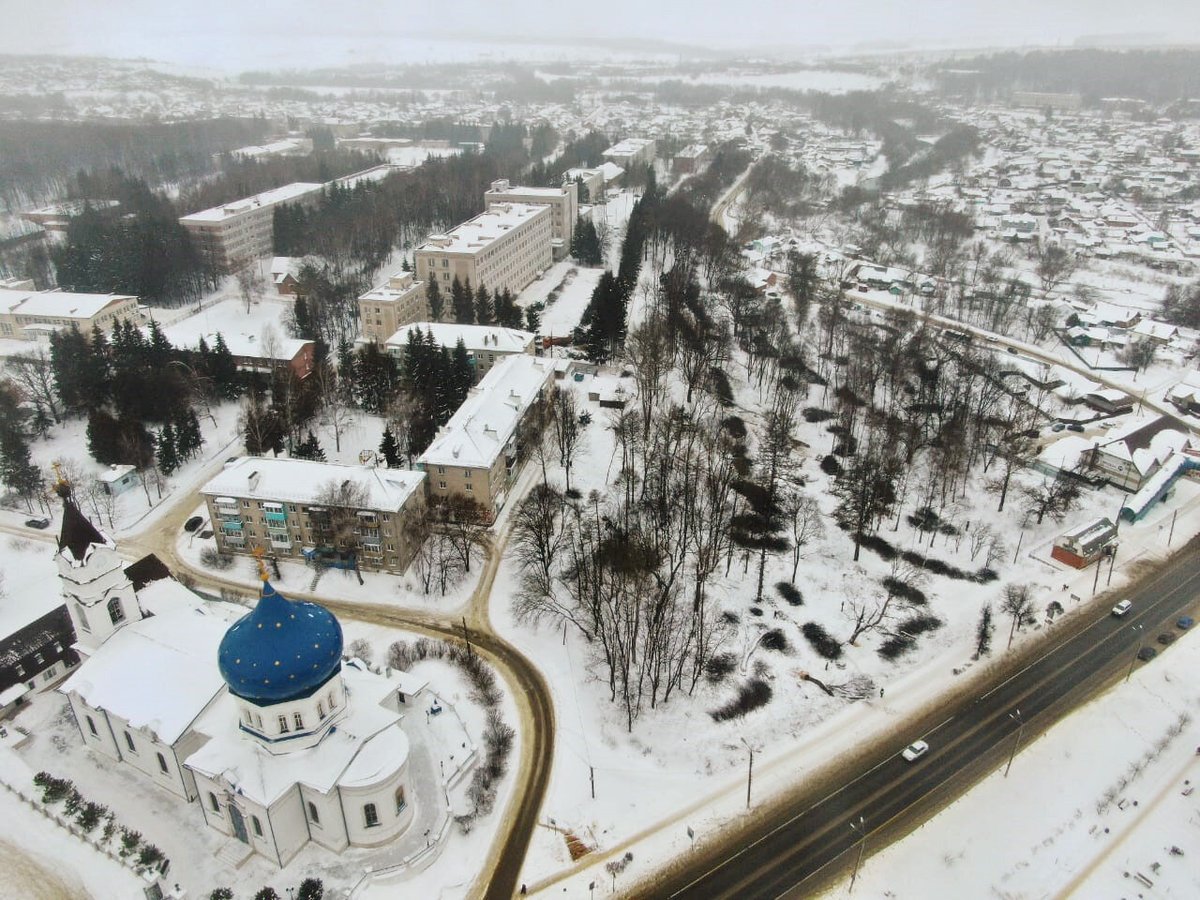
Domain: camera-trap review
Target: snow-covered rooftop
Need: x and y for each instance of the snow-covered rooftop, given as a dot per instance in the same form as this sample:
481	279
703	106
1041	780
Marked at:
304	481
474	337
158	673
365	741
285	194
62	304
478	234
477	434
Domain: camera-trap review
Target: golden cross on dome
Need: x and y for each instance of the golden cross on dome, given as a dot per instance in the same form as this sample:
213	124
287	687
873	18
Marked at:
257	552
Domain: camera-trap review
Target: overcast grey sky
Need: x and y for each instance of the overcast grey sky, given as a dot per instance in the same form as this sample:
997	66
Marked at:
233	34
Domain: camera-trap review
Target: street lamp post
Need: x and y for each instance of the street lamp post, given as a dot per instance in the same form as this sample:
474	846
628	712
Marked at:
1015	715
749	771
1136	650
860	827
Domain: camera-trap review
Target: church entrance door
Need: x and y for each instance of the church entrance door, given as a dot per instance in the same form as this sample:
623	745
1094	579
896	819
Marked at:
239	824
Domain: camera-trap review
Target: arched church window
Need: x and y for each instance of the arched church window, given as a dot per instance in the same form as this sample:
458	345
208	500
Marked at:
213	802
370	815
400	801
115	612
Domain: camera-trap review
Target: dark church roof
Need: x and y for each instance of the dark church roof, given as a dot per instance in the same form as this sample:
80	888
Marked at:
78	533
147	569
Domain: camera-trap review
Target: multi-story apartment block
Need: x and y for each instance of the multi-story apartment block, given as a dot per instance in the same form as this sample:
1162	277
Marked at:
32	315
691	159
487	345
299	509
477	453
504	248
382	310
563	202
630	153
226	236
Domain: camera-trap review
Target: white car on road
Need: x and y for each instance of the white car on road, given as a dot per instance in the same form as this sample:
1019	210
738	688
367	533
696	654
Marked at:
915	751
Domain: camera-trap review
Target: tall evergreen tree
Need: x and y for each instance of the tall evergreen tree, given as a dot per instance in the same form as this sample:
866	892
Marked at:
433	296
167	453
224	370
17	470
389	449
484	310
462	300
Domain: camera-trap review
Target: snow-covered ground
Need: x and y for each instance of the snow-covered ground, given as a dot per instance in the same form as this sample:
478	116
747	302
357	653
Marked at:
1091	809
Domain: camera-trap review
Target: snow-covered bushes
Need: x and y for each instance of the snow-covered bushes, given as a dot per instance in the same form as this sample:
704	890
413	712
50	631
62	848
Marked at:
821	640
212	558
790	593
750	696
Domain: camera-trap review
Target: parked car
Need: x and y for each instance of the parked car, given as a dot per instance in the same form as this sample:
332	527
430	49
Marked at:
1147	653
1183	623
1013	350
1121	608
205	534
1166	638
1057	426
1074	426
37	523
915	751
192	524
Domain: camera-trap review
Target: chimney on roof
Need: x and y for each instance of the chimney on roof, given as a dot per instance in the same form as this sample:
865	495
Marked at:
253	480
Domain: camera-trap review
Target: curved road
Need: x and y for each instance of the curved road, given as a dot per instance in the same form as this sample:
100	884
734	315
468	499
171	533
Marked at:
498	878
807	840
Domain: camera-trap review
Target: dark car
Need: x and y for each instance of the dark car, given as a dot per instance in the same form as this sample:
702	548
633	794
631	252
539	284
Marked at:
1147	653
205	534
1183	623
1057	426
192	524
1074	426
37	523
1166	638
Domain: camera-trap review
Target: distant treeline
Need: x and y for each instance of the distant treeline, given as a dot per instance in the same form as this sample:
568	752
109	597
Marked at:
37	158
1157	76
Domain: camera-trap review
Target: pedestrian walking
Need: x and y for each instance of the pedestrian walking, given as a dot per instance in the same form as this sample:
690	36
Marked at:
881	693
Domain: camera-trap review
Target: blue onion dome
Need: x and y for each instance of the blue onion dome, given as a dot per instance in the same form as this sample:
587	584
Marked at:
281	650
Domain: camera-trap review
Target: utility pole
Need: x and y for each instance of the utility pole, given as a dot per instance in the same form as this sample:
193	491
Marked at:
467	636
1112	561
1136	650
1172	533
1016	717
592	773
749	772
1096	582
860	828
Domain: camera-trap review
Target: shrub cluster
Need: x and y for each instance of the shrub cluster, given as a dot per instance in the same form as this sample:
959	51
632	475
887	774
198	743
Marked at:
790	593
718	666
776	640
816	414
750	696
821	640
905	638
906	592
497	741
885	550
403	655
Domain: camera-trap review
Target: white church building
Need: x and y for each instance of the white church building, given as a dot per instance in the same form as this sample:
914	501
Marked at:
260	722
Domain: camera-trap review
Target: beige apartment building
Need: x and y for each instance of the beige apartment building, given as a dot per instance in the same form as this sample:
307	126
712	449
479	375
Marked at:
228	235
487	345
282	506
504	248
30	315
563	202
477	454
384	309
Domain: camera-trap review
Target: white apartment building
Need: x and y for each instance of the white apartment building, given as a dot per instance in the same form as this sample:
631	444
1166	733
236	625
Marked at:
563	202
503	248
390	306
477	454
488	345
241	230
631	152
33	315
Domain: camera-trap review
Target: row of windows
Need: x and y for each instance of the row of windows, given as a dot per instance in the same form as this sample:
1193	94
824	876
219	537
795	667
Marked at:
116	613
284	725
370	811
130	745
